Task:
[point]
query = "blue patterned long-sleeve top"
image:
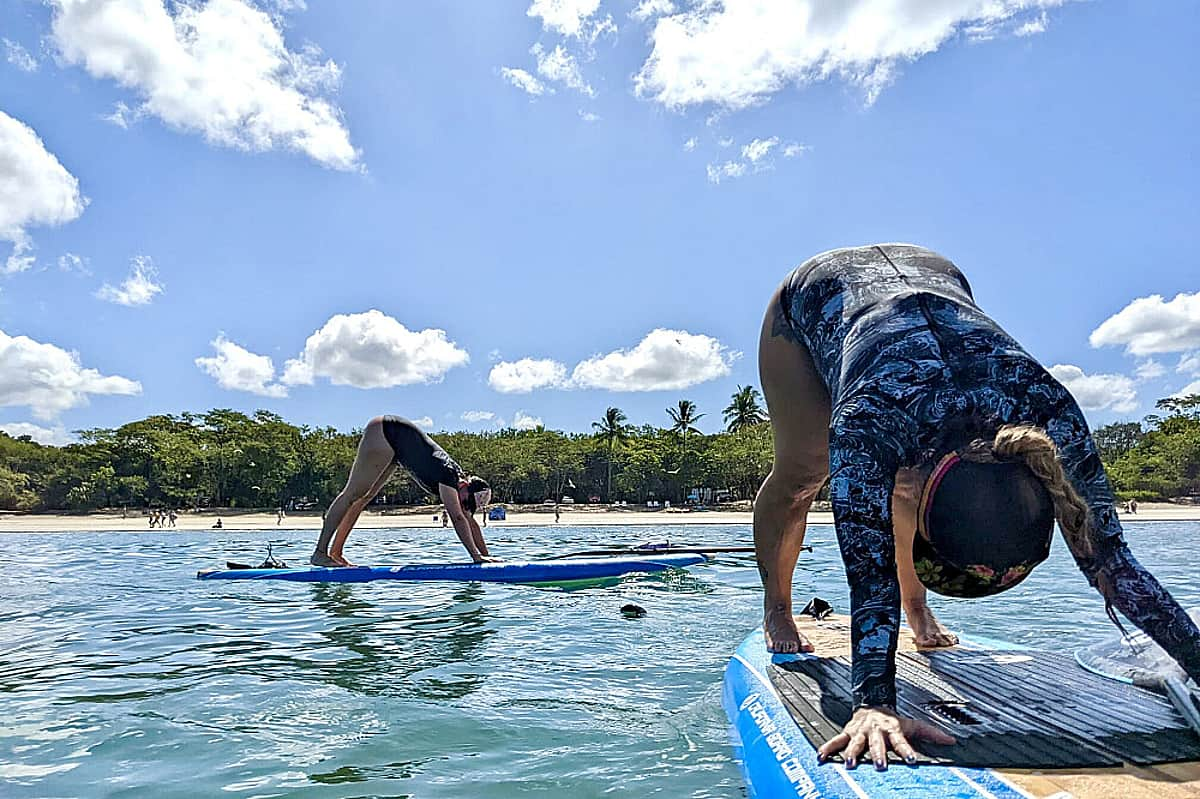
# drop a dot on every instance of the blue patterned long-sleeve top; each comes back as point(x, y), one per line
point(906, 354)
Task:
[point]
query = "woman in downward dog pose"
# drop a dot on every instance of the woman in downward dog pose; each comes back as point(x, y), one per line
point(949, 451)
point(388, 442)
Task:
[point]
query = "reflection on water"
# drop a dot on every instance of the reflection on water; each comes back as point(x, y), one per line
point(121, 675)
point(401, 654)
point(400, 770)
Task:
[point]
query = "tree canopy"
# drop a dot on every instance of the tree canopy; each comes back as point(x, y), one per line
point(1158, 458)
point(745, 410)
point(226, 458)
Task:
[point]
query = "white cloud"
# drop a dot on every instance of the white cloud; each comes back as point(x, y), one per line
point(663, 360)
point(373, 350)
point(737, 54)
point(756, 156)
point(423, 422)
point(726, 171)
point(523, 421)
point(56, 436)
point(1151, 324)
point(19, 57)
point(1034, 26)
point(1097, 392)
point(140, 288)
point(1188, 390)
point(35, 189)
point(527, 374)
point(690, 144)
point(219, 68)
point(568, 17)
point(49, 380)
point(237, 369)
point(123, 116)
point(588, 116)
point(70, 262)
point(284, 6)
point(561, 67)
point(525, 82)
point(758, 149)
point(1149, 370)
point(981, 32)
point(600, 27)
point(475, 417)
point(1189, 364)
point(649, 9)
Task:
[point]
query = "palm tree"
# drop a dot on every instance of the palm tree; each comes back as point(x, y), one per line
point(612, 429)
point(745, 410)
point(684, 418)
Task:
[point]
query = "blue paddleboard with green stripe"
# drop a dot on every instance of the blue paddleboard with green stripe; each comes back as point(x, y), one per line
point(536, 571)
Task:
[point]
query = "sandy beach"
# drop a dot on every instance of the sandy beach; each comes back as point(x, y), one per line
point(424, 517)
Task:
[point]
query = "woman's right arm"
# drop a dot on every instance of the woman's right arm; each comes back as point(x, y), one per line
point(860, 490)
point(862, 476)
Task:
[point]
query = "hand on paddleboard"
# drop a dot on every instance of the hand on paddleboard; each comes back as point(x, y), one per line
point(877, 729)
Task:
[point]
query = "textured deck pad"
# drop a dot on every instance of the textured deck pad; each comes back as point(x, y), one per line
point(1007, 709)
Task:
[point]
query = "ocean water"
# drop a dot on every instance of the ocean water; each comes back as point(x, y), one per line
point(121, 675)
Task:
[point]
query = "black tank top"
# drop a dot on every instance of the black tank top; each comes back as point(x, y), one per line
point(428, 463)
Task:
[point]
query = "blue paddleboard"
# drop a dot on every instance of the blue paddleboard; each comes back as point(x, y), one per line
point(778, 761)
point(538, 571)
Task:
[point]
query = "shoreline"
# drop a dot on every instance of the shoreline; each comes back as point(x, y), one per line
point(424, 517)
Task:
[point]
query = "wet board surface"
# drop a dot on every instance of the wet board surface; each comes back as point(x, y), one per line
point(1027, 709)
point(546, 571)
point(1069, 744)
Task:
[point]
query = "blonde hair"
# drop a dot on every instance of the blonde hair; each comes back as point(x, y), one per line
point(1030, 445)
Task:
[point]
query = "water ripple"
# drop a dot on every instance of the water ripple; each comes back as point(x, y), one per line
point(123, 676)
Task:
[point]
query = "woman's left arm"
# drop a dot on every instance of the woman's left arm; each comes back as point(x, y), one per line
point(477, 537)
point(1111, 568)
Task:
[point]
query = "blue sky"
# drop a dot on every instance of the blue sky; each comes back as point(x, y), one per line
point(549, 183)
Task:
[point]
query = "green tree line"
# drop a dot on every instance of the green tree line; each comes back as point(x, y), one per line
point(1157, 458)
point(224, 458)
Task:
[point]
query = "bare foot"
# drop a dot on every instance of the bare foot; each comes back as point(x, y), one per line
point(340, 560)
point(779, 628)
point(927, 630)
point(321, 559)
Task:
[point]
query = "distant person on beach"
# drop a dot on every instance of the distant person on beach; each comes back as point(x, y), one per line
point(172, 517)
point(445, 518)
point(388, 442)
point(1133, 506)
point(218, 525)
point(949, 454)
